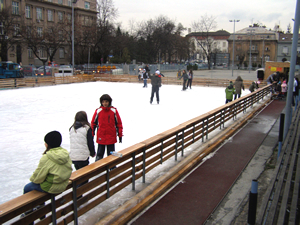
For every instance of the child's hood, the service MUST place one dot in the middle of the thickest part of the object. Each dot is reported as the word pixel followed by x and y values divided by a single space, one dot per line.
pixel 58 155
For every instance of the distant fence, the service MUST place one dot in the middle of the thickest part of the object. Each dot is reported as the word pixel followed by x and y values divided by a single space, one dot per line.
pixel 49 80
pixel 110 175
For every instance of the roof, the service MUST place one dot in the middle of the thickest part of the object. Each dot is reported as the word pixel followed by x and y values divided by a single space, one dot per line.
pixel 214 33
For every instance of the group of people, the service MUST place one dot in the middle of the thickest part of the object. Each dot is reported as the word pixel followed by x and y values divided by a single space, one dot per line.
pixel 55 166
pixel 234 89
pixel 187 78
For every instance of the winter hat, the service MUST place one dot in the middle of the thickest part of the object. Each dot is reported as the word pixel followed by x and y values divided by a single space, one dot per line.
pixel 106 97
pixel 157 71
pixel 284 81
pixel 53 139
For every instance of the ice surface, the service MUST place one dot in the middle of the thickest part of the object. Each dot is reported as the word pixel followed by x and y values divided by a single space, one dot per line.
pixel 27 114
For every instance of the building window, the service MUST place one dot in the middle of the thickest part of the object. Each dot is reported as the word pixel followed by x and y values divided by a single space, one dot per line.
pixel 1 4
pixel 29 31
pixel 16 29
pixel 50 0
pixel 60 35
pixel 50 15
pixel 60 16
pixel 267 58
pixel 15 8
pixel 39 14
pixel 69 17
pixel 69 3
pixel 224 44
pixel 39 31
pixel 86 5
pixel 30 53
pixel 27 11
pixel 254 58
pixel 285 50
pixel 298 49
pixel 60 2
pixel 61 53
pixel 1 28
pixel 41 52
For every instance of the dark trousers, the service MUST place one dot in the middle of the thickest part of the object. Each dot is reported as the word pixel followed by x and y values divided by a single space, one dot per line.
pixel 236 95
pixel 189 83
pixel 80 164
pixel 228 100
pixel 101 150
pixel 155 89
pixel 184 84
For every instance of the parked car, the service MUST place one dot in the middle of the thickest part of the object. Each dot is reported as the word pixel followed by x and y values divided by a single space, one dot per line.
pixel 40 71
pixel 29 70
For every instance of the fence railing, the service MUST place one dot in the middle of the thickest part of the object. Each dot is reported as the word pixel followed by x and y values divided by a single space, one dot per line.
pixel 49 80
pixel 110 175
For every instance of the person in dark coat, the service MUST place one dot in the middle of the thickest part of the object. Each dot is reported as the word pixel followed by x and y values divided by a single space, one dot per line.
pixel 156 84
pixel 239 85
pixel 185 78
pixel 190 79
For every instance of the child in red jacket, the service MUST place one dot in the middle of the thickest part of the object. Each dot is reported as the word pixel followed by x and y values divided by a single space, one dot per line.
pixel 109 125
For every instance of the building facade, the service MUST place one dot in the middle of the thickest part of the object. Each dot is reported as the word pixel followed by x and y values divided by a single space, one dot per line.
pixel 253 46
pixel 284 47
pixel 43 14
pixel 218 40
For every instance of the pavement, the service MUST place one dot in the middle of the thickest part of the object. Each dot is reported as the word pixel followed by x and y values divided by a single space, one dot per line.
pixel 217 191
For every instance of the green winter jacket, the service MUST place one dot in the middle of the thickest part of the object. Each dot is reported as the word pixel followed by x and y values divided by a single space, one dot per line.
pixel 230 91
pixel 53 171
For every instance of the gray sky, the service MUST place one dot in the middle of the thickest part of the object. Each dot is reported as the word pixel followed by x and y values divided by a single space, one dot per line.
pixel 266 12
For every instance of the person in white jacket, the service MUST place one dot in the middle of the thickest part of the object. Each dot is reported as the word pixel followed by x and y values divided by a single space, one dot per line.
pixel 81 141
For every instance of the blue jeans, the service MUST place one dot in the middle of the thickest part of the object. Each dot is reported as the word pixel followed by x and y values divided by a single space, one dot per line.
pixel 32 186
pixel 145 83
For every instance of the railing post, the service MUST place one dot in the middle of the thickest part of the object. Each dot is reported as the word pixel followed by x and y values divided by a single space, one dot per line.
pixel 193 133
pixel 75 202
pixel 206 128
pixel 203 130
pixel 176 146
pixel 53 209
pixel 161 152
pixel 107 182
pixel 133 171
pixel 144 165
pixel 252 203
pixel 182 143
pixel 280 136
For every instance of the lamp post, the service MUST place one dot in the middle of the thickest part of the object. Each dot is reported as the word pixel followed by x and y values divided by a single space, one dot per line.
pixel 250 32
pixel 233 42
pixel 73 2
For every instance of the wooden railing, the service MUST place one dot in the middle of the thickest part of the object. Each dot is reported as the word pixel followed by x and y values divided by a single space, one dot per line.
pixel 110 175
pixel 42 81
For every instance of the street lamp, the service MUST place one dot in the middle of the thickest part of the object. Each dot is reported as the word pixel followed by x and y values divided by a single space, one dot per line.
pixel 250 32
pixel 263 51
pixel 73 2
pixel 233 42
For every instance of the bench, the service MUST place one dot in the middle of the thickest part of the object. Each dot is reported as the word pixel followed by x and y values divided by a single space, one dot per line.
pixel 279 205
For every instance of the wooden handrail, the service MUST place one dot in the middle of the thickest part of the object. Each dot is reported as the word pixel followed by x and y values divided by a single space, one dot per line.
pixel 111 174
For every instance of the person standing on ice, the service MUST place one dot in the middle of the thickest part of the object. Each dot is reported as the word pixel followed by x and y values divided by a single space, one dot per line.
pixel 81 141
pixel 190 80
pixel 230 91
pixel 54 169
pixel 145 77
pixel 156 84
pixel 108 123
pixel 185 78
pixel 239 85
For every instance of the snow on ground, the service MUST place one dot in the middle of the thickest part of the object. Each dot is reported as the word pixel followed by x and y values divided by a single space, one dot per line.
pixel 27 114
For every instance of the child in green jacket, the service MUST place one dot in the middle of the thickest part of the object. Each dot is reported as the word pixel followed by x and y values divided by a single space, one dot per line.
pixel 230 91
pixel 54 169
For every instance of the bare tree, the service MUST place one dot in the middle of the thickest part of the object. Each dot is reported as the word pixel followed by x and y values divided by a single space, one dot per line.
pixel 204 26
pixel 9 31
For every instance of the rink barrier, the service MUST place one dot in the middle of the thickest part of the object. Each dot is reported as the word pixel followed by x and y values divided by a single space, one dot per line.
pixel 112 174
pixel 49 80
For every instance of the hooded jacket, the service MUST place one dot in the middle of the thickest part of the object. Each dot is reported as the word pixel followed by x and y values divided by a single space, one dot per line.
pixel 239 85
pixel 155 80
pixel 230 91
pixel 53 171
pixel 108 123
pixel 81 142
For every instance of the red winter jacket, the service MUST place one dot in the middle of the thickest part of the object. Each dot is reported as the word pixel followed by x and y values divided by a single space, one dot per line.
pixel 108 123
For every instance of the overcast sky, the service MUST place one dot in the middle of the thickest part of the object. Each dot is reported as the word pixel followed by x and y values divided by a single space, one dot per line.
pixel 266 12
